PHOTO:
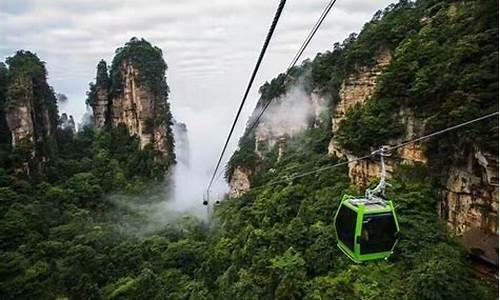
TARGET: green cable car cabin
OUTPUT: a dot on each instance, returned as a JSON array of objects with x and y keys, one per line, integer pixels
[{"x": 366, "y": 228}]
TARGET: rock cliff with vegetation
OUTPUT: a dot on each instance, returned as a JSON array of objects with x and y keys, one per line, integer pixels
[
  {"x": 56, "y": 184},
  {"x": 135, "y": 93},
  {"x": 415, "y": 68},
  {"x": 94, "y": 225},
  {"x": 28, "y": 112}
]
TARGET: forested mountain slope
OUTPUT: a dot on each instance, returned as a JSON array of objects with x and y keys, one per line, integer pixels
[
  {"x": 57, "y": 216},
  {"x": 415, "y": 68},
  {"x": 79, "y": 230}
]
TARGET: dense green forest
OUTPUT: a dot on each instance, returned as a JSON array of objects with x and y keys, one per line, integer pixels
[{"x": 71, "y": 231}]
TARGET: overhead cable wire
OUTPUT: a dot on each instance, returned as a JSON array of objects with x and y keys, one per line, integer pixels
[
  {"x": 311, "y": 33},
  {"x": 390, "y": 148},
  {"x": 296, "y": 58},
  {"x": 293, "y": 62},
  {"x": 444, "y": 130},
  {"x": 250, "y": 83}
]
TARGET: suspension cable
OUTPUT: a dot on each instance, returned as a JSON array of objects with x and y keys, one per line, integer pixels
[
  {"x": 296, "y": 58},
  {"x": 389, "y": 148},
  {"x": 250, "y": 83},
  {"x": 292, "y": 64},
  {"x": 444, "y": 130}
]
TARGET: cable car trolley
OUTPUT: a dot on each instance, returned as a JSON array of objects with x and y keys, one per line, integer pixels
[{"x": 367, "y": 227}]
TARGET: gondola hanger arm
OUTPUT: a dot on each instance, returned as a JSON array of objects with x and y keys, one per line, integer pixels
[{"x": 370, "y": 194}]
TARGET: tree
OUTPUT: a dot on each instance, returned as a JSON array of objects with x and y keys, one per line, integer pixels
[{"x": 61, "y": 98}]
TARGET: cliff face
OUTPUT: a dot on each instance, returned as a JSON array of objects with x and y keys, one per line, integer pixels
[
  {"x": 30, "y": 109},
  {"x": 4, "y": 129},
  {"x": 240, "y": 182},
  {"x": 358, "y": 87},
  {"x": 470, "y": 204},
  {"x": 290, "y": 112},
  {"x": 286, "y": 116},
  {"x": 398, "y": 80},
  {"x": 469, "y": 195},
  {"x": 135, "y": 94},
  {"x": 135, "y": 106},
  {"x": 20, "y": 110},
  {"x": 182, "y": 148},
  {"x": 101, "y": 103}
]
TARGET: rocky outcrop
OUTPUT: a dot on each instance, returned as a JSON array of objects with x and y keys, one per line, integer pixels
[
  {"x": 356, "y": 89},
  {"x": 20, "y": 110},
  {"x": 414, "y": 97},
  {"x": 135, "y": 106},
  {"x": 286, "y": 116},
  {"x": 100, "y": 104},
  {"x": 182, "y": 148},
  {"x": 359, "y": 87},
  {"x": 469, "y": 204},
  {"x": 5, "y": 138},
  {"x": 296, "y": 110},
  {"x": 135, "y": 94},
  {"x": 30, "y": 109},
  {"x": 289, "y": 114},
  {"x": 240, "y": 182},
  {"x": 469, "y": 197},
  {"x": 67, "y": 123}
]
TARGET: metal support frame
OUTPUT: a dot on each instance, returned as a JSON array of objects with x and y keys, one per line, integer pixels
[{"x": 371, "y": 194}]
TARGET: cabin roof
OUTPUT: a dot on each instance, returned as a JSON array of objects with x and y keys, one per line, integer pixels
[{"x": 369, "y": 204}]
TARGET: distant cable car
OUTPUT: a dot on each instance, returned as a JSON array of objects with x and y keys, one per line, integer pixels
[
  {"x": 205, "y": 198},
  {"x": 367, "y": 227}
]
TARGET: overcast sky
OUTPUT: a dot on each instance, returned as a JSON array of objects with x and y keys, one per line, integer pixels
[{"x": 210, "y": 47}]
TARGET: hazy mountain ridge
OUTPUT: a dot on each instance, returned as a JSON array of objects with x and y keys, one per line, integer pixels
[
  {"x": 391, "y": 83},
  {"x": 99, "y": 222}
]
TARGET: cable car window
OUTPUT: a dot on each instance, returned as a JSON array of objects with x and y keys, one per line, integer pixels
[
  {"x": 378, "y": 233},
  {"x": 346, "y": 226}
]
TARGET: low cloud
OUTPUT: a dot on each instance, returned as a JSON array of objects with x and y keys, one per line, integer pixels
[{"x": 210, "y": 47}]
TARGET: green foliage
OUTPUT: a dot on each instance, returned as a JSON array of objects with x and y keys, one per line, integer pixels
[
  {"x": 442, "y": 277},
  {"x": 273, "y": 229},
  {"x": 103, "y": 82},
  {"x": 91, "y": 94},
  {"x": 368, "y": 126},
  {"x": 273, "y": 89},
  {"x": 28, "y": 78},
  {"x": 290, "y": 272},
  {"x": 66, "y": 238},
  {"x": 151, "y": 67},
  {"x": 26, "y": 63},
  {"x": 289, "y": 228},
  {"x": 244, "y": 158},
  {"x": 24, "y": 86},
  {"x": 83, "y": 188},
  {"x": 147, "y": 59},
  {"x": 327, "y": 70},
  {"x": 385, "y": 31},
  {"x": 4, "y": 136},
  {"x": 102, "y": 78},
  {"x": 444, "y": 68}
]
